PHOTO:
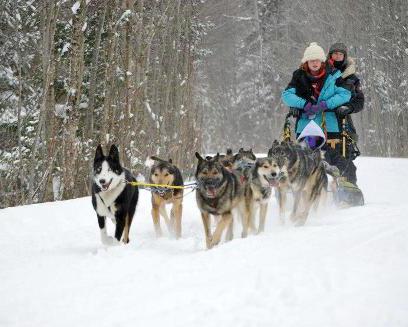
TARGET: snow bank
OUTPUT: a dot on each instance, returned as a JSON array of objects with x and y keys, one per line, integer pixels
[{"x": 344, "y": 268}]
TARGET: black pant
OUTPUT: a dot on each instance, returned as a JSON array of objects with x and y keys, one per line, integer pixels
[{"x": 334, "y": 157}]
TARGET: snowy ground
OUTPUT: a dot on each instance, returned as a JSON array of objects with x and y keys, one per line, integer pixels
[{"x": 344, "y": 268}]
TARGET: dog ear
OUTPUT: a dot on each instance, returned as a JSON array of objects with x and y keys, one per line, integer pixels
[
  {"x": 170, "y": 161},
  {"x": 114, "y": 153},
  {"x": 157, "y": 159},
  {"x": 217, "y": 156},
  {"x": 229, "y": 152},
  {"x": 99, "y": 153},
  {"x": 200, "y": 158}
]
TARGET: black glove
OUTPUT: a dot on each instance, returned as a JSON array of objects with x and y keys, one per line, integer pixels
[{"x": 343, "y": 111}]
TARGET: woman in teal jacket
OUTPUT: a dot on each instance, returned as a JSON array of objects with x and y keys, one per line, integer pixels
[{"x": 316, "y": 88}]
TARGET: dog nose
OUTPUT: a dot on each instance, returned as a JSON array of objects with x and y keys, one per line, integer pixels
[
  {"x": 273, "y": 174},
  {"x": 102, "y": 181}
]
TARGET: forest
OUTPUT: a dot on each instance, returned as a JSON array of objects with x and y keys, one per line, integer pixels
[{"x": 172, "y": 77}]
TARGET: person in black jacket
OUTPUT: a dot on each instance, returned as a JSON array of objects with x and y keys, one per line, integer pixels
[{"x": 338, "y": 59}]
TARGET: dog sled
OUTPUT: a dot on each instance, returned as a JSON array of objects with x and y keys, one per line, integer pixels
[{"x": 345, "y": 193}]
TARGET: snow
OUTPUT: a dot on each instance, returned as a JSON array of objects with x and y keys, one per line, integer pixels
[
  {"x": 154, "y": 117},
  {"x": 344, "y": 268},
  {"x": 75, "y": 7},
  {"x": 61, "y": 110},
  {"x": 125, "y": 16}
]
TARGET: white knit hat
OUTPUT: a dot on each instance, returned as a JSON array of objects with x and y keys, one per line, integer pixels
[{"x": 313, "y": 52}]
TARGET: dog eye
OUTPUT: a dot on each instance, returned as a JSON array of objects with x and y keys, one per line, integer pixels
[
  {"x": 265, "y": 166},
  {"x": 166, "y": 174},
  {"x": 156, "y": 174}
]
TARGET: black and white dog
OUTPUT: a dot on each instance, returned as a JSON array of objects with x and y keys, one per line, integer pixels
[{"x": 111, "y": 196}]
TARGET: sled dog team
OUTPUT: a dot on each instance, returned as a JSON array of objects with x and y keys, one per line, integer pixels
[
  {"x": 229, "y": 184},
  {"x": 322, "y": 94}
]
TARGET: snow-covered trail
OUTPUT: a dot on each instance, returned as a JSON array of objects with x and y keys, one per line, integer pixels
[{"x": 344, "y": 268}]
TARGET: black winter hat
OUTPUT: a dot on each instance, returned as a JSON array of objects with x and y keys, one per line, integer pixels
[{"x": 339, "y": 47}]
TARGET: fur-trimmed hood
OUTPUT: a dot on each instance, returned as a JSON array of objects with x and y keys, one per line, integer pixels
[{"x": 350, "y": 68}]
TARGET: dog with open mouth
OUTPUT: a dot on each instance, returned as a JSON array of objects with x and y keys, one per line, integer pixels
[
  {"x": 112, "y": 196},
  {"x": 219, "y": 192},
  {"x": 266, "y": 174}
]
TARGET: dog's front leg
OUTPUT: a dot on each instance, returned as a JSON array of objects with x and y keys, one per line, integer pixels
[
  {"x": 305, "y": 208},
  {"x": 168, "y": 222},
  {"x": 223, "y": 222},
  {"x": 120, "y": 225},
  {"x": 156, "y": 219},
  {"x": 282, "y": 198},
  {"x": 251, "y": 223},
  {"x": 246, "y": 217},
  {"x": 207, "y": 228},
  {"x": 176, "y": 213},
  {"x": 297, "y": 194},
  {"x": 230, "y": 231},
  {"x": 262, "y": 216},
  {"x": 105, "y": 239}
]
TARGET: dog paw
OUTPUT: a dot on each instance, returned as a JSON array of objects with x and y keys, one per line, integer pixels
[
  {"x": 293, "y": 219},
  {"x": 170, "y": 228},
  {"x": 208, "y": 242},
  {"x": 109, "y": 241},
  {"x": 214, "y": 243}
]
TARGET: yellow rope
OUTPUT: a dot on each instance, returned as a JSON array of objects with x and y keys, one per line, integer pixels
[
  {"x": 157, "y": 185},
  {"x": 287, "y": 135}
]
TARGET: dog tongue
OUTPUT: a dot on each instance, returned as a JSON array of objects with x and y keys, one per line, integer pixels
[
  {"x": 106, "y": 186},
  {"x": 273, "y": 182},
  {"x": 211, "y": 191}
]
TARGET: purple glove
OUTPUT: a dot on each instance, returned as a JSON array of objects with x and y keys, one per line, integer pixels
[
  {"x": 316, "y": 108},
  {"x": 307, "y": 108},
  {"x": 322, "y": 106}
]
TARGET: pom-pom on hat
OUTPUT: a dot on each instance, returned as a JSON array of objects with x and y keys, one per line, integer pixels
[{"x": 313, "y": 52}]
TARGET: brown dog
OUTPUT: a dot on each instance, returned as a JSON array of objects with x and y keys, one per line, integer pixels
[
  {"x": 165, "y": 173},
  {"x": 219, "y": 192}
]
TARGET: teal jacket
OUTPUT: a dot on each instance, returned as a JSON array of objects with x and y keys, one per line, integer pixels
[{"x": 334, "y": 92}]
